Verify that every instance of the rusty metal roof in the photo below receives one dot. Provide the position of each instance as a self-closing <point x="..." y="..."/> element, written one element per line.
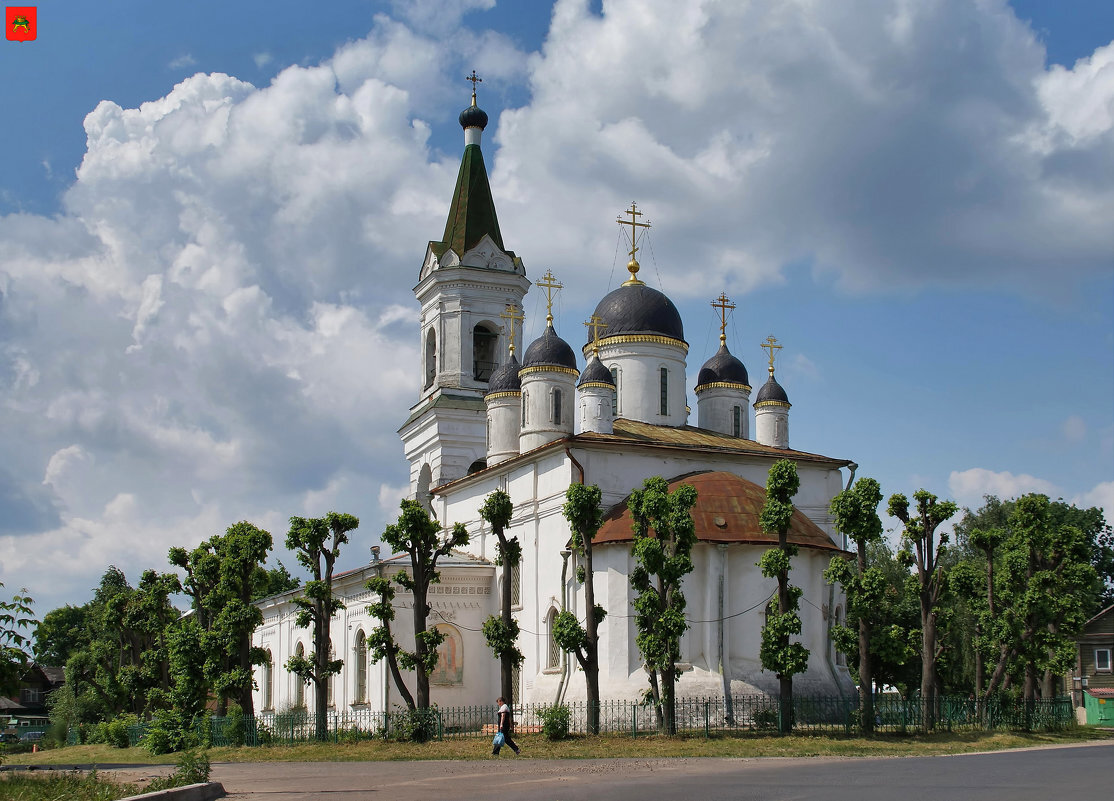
<point x="727" y="510"/>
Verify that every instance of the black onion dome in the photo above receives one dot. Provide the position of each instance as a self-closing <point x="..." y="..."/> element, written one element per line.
<point x="549" y="350"/>
<point x="771" y="391"/>
<point x="596" y="373"/>
<point x="505" y="378"/>
<point x="473" y="117"/>
<point x="723" y="368"/>
<point x="639" y="309"/>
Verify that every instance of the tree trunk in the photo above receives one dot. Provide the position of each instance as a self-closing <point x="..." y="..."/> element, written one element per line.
<point x="668" y="698"/>
<point x="591" y="661"/>
<point x="785" y="708"/>
<point x="866" y="674"/>
<point x="655" y="693"/>
<point x="421" y="614"/>
<point x="321" y="680"/>
<point x="928" y="664"/>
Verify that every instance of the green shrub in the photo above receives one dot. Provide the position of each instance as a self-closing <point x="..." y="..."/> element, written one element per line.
<point x="115" y="731"/>
<point x="192" y="768"/>
<point x="169" y="732"/>
<point x="413" y="726"/>
<point x="555" y="721"/>
<point x="350" y="734"/>
<point x="235" y="726"/>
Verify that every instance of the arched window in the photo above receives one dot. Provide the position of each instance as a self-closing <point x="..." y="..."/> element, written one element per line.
<point x="359" y="659"/>
<point x="665" y="390"/>
<point x="553" y="653"/>
<point x="736" y="421"/>
<point x="557" y="407"/>
<point x="430" y="358"/>
<point x="483" y="352"/>
<point x="615" y="392"/>
<point x="299" y="685"/>
<point x="268" y="682"/>
<point x="525" y="401"/>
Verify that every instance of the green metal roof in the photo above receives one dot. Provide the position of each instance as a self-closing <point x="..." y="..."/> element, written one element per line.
<point x="472" y="213"/>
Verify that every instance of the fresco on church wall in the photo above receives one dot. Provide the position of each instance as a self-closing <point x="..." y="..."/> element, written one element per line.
<point x="449" y="669"/>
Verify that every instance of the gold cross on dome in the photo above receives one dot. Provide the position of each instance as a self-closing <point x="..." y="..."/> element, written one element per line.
<point x="724" y="305"/>
<point x="771" y="345"/>
<point x="595" y="323"/>
<point x="475" y="80"/>
<point x="550" y="285"/>
<point x="634" y="213"/>
<point x="514" y="315"/>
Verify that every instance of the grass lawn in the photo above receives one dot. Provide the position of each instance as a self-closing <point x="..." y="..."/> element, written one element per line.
<point x="603" y="747"/>
<point x="24" y="786"/>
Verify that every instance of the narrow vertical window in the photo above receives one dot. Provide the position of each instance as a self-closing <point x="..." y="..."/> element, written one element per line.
<point x="615" y="392"/>
<point x="359" y="656"/>
<point x="516" y="584"/>
<point x="553" y="653"/>
<point x="664" y="391"/>
<point x="736" y="421"/>
<point x="430" y="358"/>
<point x="299" y="685"/>
<point x="557" y="407"/>
<point x="525" y="398"/>
<point x="268" y="683"/>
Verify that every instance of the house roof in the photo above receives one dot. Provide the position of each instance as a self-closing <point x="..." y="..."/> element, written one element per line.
<point x="1101" y="614"/>
<point x="1100" y="692"/>
<point x="726" y="511"/>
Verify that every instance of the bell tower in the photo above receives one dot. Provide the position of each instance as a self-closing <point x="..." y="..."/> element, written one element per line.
<point x="466" y="282"/>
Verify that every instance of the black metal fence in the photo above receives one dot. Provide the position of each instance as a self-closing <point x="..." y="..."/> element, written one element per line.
<point x="740" y="715"/>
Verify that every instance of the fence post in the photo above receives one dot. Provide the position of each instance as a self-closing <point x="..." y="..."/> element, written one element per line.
<point x="634" y="719"/>
<point x="707" y="730"/>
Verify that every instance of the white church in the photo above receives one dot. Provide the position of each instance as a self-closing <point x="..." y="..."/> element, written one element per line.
<point x="612" y="417"/>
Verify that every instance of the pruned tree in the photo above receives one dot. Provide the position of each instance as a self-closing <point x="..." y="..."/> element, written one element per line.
<point x="222" y="574"/>
<point x="778" y="652"/>
<point x="419" y="536"/>
<point x="582" y="510"/>
<point x="501" y="632"/>
<point x="856" y="516"/>
<point x="316" y="542"/>
<point x="922" y="548"/>
<point x="16" y="616"/>
<point x="664" y="536"/>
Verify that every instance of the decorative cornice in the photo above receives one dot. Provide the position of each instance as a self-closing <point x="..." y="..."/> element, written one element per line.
<point x="594" y="384"/>
<point x="722" y="385"/>
<point x="548" y="368"/>
<point x="497" y="395"/>
<point x="656" y="339"/>
<point x="763" y="404"/>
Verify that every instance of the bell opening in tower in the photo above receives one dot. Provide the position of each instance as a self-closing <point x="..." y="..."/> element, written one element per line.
<point x="483" y="352"/>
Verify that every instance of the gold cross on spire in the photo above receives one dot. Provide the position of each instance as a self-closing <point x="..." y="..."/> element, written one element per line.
<point x="595" y="323"/>
<point x="632" y="265"/>
<point x="513" y="315"/>
<point x="771" y="345"/>
<point x="475" y="80"/>
<point x="724" y="305"/>
<point x="550" y="285"/>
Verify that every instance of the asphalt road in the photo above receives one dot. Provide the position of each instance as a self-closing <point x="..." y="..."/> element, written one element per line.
<point x="1077" y="771"/>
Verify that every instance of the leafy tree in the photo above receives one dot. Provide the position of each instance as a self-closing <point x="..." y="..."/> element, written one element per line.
<point x="1047" y="580"/>
<point x="582" y="510"/>
<point x="778" y="652"/>
<point x="15" y="615"/>
<point x="316" y="542"/>
<point x="61" y="632"/>
<point x="502" y="632"/>
<point x="664" y="535"/>
<point x="920" y="535"/>
<point x="419" y="536"/>
<point x="273" y="581"/>
<point x="856" y="515"/>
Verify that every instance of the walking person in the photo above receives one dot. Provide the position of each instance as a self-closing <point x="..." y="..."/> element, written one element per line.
<point x="504" y="716"/>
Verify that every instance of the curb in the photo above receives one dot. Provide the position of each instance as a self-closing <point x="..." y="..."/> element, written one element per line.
<point x="206" y="791"/>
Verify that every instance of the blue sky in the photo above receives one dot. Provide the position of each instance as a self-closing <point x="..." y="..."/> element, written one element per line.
<point x="211" y="319"/>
